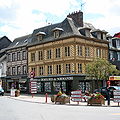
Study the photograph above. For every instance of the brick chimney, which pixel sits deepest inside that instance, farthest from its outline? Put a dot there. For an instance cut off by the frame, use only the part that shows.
(77, 18)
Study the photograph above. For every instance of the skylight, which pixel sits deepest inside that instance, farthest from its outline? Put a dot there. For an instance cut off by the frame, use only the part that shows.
(17, 43)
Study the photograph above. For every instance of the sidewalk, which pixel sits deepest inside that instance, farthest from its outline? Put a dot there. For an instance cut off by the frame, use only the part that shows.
(38, 98)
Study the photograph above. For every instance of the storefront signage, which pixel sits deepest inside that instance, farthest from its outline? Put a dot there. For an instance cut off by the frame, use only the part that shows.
(114, 78)
(56, 79)
(117, 96)
(76, 96)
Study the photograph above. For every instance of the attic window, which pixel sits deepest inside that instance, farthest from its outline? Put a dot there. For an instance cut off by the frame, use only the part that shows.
(57, 31)
(40, 35)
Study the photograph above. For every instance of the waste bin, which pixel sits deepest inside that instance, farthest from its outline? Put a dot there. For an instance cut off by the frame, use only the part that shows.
(17, 93)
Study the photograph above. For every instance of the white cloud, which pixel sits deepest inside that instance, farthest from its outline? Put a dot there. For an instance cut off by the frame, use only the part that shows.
(21, 17)
(18, 18)
(109, 11)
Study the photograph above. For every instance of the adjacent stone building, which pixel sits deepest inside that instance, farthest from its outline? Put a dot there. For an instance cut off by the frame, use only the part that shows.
(58, 54)
(17, 64)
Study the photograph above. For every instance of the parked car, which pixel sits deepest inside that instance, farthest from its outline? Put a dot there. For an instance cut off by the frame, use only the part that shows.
(1, 91)
(104, 91)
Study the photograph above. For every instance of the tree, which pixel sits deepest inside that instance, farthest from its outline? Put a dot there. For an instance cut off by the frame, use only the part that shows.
(100, 69)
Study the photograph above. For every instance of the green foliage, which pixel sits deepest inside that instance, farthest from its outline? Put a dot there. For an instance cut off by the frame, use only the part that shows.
(100, 69)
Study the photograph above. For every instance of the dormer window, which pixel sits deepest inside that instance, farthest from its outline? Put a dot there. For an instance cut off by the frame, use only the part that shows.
(57, 32)
(40, 35)
(85, 31)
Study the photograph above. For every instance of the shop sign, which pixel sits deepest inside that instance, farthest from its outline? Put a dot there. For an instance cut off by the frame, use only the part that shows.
(114, 78)
(33, 87)
(56, 79)
(116, 96)
(76, 96)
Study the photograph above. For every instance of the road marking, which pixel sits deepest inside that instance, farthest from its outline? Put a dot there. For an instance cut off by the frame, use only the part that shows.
(116, 114)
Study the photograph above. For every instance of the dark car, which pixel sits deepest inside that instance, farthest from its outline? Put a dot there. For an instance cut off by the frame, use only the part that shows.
(104, 91)
(1, 91)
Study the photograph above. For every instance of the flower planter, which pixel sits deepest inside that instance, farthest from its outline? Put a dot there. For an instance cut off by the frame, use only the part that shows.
(60, 99)
(95, 101)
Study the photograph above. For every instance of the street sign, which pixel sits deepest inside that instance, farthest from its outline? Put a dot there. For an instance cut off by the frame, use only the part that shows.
(116, 96)
(76, 96)
(33, 87)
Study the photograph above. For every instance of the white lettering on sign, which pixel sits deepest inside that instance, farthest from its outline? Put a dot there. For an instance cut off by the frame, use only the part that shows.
(33, 87)
(116, 95)
(76, 96)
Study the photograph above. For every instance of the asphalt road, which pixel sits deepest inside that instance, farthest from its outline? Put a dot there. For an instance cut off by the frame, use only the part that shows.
(11, 109)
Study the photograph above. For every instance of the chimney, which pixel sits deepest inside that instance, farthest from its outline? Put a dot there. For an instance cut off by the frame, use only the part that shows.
(77, 18)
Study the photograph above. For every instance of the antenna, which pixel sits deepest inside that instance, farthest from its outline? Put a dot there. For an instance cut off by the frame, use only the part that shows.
(82, 4)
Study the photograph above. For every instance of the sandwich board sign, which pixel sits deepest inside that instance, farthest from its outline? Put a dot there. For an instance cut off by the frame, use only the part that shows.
(116, 94)
(76, 96)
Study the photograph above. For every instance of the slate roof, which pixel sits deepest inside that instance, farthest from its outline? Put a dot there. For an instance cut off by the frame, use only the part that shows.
(67, 28)
(20, 42)
(4, 42)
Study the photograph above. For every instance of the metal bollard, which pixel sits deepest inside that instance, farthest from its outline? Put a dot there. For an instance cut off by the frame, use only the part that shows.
(46, 96)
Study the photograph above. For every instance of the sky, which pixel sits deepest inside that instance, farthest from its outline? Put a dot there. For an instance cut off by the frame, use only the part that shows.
(21, 17)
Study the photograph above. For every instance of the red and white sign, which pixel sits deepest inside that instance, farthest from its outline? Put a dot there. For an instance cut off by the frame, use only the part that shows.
(33, 87)
(32, 74)
(116, 96)
(76, 96)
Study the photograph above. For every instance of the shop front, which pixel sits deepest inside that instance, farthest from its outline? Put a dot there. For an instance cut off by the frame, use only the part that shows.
(16, 83)
(114, 80)
(67, 83)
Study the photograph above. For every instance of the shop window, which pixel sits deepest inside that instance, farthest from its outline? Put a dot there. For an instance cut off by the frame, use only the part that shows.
(47, 86)
(68, 69)
(57, 52)
(67, 51)
(57, 86)
(39, 87)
